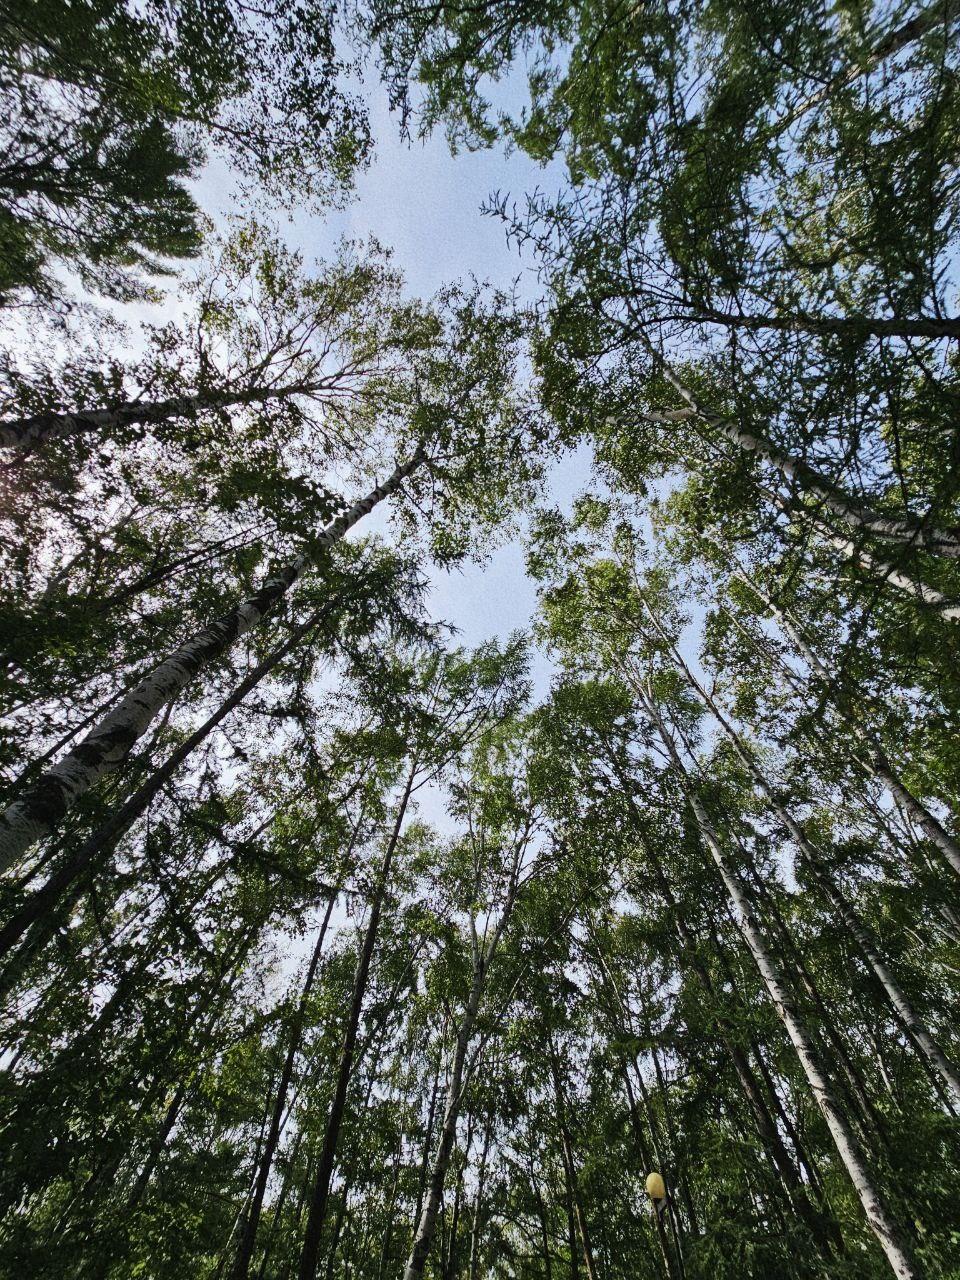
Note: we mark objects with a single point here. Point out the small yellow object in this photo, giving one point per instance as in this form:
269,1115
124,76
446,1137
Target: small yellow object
655,1187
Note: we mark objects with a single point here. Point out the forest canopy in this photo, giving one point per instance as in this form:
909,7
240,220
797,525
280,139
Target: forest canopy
337,943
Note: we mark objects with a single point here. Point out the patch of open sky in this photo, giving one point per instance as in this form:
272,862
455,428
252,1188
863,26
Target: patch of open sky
425,204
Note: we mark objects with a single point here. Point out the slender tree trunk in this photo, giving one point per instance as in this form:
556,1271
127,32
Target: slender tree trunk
848,1148
451,1251
661,1162
25,1118
780,1113
35,766
108,1170
572,1246
875,760
634,1113
903,581
856,1087
916,1029
309,1255
349,1178
544,1229
44,804
277,1208
423,1235
391,1214
156,1149
648,1162
428,1141
823,1231
41,427
682,1178
813,857
906,529
570,1168
251,1219
856,553
914,808
42,904
339,1221
484,951
658,1211
478,1206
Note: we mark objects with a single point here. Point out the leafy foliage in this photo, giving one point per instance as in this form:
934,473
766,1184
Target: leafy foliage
355,952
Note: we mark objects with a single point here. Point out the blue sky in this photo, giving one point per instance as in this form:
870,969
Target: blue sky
424,203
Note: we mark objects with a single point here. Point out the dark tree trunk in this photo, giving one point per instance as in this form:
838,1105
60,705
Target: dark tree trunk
321,1189
251,1219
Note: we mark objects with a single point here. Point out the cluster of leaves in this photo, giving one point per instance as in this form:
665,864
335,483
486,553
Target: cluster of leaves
109,110
324,947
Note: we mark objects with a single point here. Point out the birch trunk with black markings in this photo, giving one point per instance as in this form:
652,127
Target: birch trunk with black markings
47,801
847,1145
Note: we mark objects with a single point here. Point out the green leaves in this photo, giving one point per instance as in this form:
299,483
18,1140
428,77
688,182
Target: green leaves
745,277
109,113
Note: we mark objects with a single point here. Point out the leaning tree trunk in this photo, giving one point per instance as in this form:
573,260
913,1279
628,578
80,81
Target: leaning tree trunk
278,1205
875,761
42,904
814,860
542,1216
906,529
387,1241
43,805
19,433
847,1145
823,1231
650,1163
914,1025
662,1162
309,1256
877,569
570,1215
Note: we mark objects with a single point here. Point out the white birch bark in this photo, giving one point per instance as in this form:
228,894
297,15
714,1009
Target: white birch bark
21,433
848,1148
897,578
853,513
813,857
43,804
908,530
874,759
866,561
